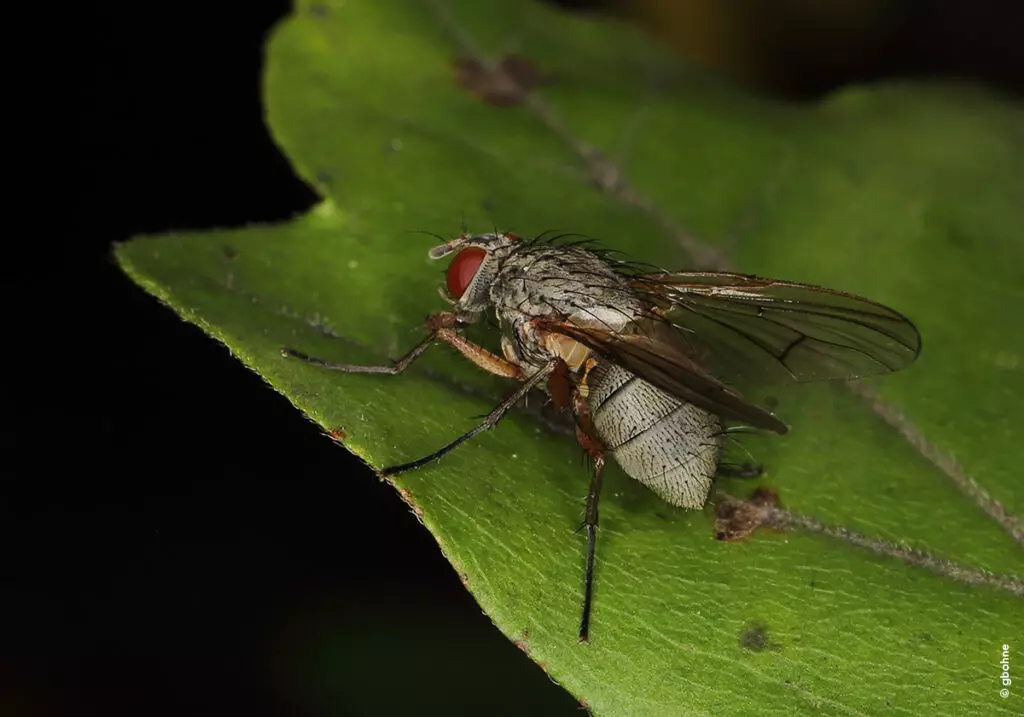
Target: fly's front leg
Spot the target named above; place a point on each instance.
(483, 358)
(394, 369)
(441, 328)
(435, 323)
(586, 435)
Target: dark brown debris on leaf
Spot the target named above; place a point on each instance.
(338, 433)
(737, 518)
(755, 638)
(411, 502)
(505, 84)
(523, 642)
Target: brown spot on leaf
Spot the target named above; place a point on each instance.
(230, 253)
(505, 84)
(523, 643)
(338, 433)
(755, 638)
(407, 497)
(736, 518)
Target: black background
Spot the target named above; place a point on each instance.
(177, 539)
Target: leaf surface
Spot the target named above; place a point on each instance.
(908, 194)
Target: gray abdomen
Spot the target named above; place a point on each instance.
(670, 446)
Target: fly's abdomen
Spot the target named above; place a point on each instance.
(670, 446)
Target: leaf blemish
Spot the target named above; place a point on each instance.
(736, 519)
(755, 638)
(407, 497)
(503, 85)
(523, 643)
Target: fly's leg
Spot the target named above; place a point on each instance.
(489, 421)
(586, 435)
(739, 470)
(441, 328)
(394, 369)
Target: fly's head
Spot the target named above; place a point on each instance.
(478, 257)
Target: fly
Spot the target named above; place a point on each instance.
(645, 361)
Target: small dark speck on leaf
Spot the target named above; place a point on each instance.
(771, 403)
(737, 519)
(755, 638)
(230, 253)
(523, 643)
(323, 177)
(921, 638)
(503, 85)
(959, 237)
(318, 11)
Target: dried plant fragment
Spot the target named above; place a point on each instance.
(505, 84)
(736, 518)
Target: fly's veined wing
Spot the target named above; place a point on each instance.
(744, 327)
(655, 354)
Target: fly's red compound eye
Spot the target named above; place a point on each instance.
(462, 270)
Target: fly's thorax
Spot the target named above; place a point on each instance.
(670, 446)
(563, 282)
(523, 344)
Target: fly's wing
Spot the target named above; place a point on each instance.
(707, 330)
(742, 327)
(654, 353)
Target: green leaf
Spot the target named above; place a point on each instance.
(909, 194)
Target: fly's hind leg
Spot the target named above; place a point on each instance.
(747, 469)
(587, 437)
(739, 470)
